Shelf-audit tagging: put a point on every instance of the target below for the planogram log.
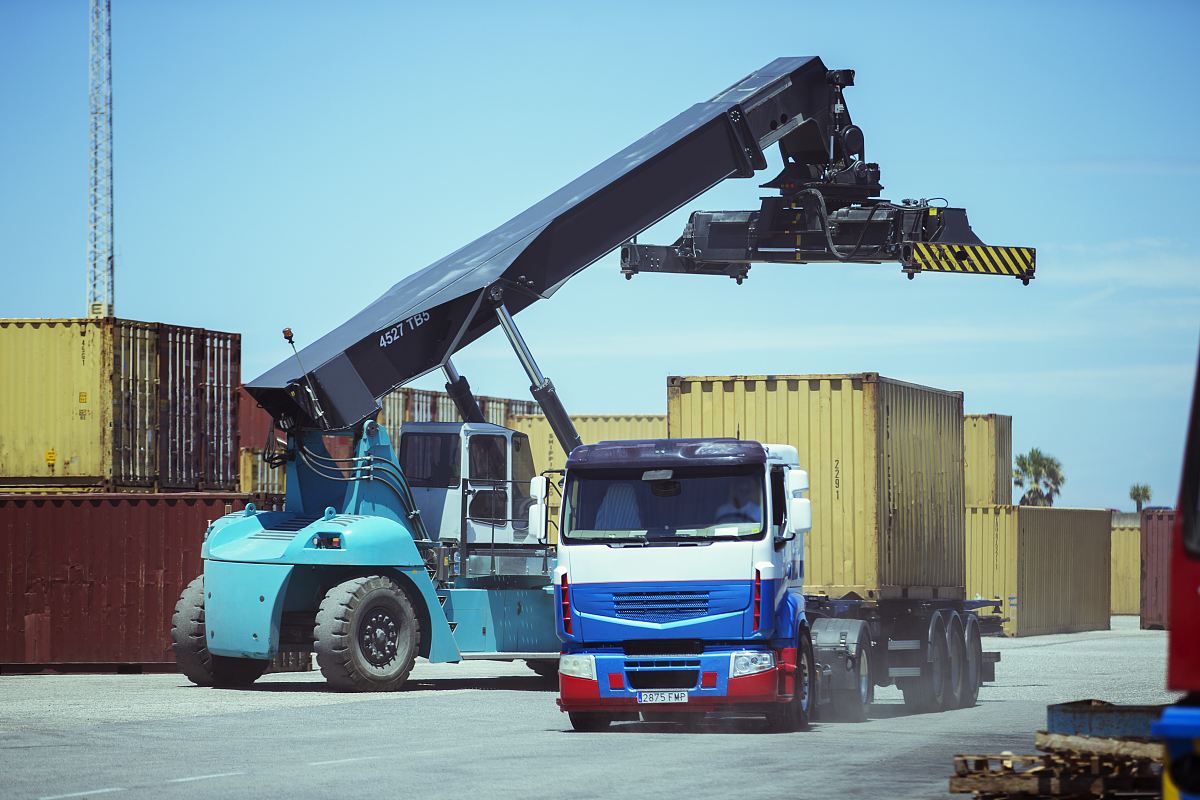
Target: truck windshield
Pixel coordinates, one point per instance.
(662, 505)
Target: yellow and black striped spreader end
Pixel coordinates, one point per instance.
(975, 259)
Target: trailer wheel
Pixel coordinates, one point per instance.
(928, 692)
(956, 649)
(189, 640)
(589, 721)
(854, 705)
(972, 663)
(367, 635)
(796, 713)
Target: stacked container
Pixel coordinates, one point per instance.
(1156, 528)
(1126, 571)
(987, 459)
(885, 464)
(117, 405)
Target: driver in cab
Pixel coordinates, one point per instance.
(744, 503)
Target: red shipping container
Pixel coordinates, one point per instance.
(93, 578)
(255, 425)
(1156, 567)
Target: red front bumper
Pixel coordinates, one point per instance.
(580, 694)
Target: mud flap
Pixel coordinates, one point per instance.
(242, 604)
(834, 645)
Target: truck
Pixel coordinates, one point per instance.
(679, 591)
(435, 546)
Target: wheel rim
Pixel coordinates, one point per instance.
(379, 637)
(805, 681)
(864, 683)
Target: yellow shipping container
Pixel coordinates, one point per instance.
(258, 477)
(987, 459)
(113, 404)
(885, 461)
(1049, 567)
(548, 454)
(1126, 571)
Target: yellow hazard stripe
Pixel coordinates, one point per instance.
(974, 258)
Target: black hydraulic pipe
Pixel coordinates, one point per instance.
(460, 392)
(541, 387)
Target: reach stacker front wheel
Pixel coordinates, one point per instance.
(367, 635)
(189, 640)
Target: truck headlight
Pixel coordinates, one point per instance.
(750, 662)
(578, 667)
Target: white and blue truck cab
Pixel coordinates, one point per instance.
(679, 591)
(680, 581)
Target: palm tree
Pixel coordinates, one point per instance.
(1040, 475)
(1140, 494)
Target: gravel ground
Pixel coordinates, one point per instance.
(492, 728)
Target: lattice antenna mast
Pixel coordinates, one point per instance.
(100, 204)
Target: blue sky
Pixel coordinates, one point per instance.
(284, 163)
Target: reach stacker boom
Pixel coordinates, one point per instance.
(435, 545)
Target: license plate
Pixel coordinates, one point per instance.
(662, 697)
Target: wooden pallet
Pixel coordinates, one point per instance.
(1056, 775)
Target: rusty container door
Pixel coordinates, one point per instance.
(885, 461)
(1156, 567)
(199, 372)
(987, 459)
(133, 349)
(1126, 570)
(93, 579)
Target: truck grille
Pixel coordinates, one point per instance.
(660, 606)
(663, 679)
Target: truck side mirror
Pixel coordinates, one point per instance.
(539, 489)
(799, 507)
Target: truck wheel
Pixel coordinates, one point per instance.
(854, 705)
(956, 649)
(589, 721)
(796, 713)
(188, 637)
(544, 667)
(972, 663)
(189, 640)
(367, 635)
(928, 692)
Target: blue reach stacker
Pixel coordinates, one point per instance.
(436, 546)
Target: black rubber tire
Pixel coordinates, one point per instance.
(339, 635)
(855, 705)
(189, 640)
(972, 664)
(928, 692)
(544, 667)
(589, 721)
(956, 649)
(796, 714)
(188, 637)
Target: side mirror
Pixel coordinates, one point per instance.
(799, 507)
(799, 515)
(539, 488)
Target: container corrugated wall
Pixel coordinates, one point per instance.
(1126, 564)
(422, 405)
(885, 460)
(111, 404)
(987, 459)
(94, 578)
(1156, 567)
(1048, 566)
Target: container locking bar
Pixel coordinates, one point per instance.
(542, 388)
